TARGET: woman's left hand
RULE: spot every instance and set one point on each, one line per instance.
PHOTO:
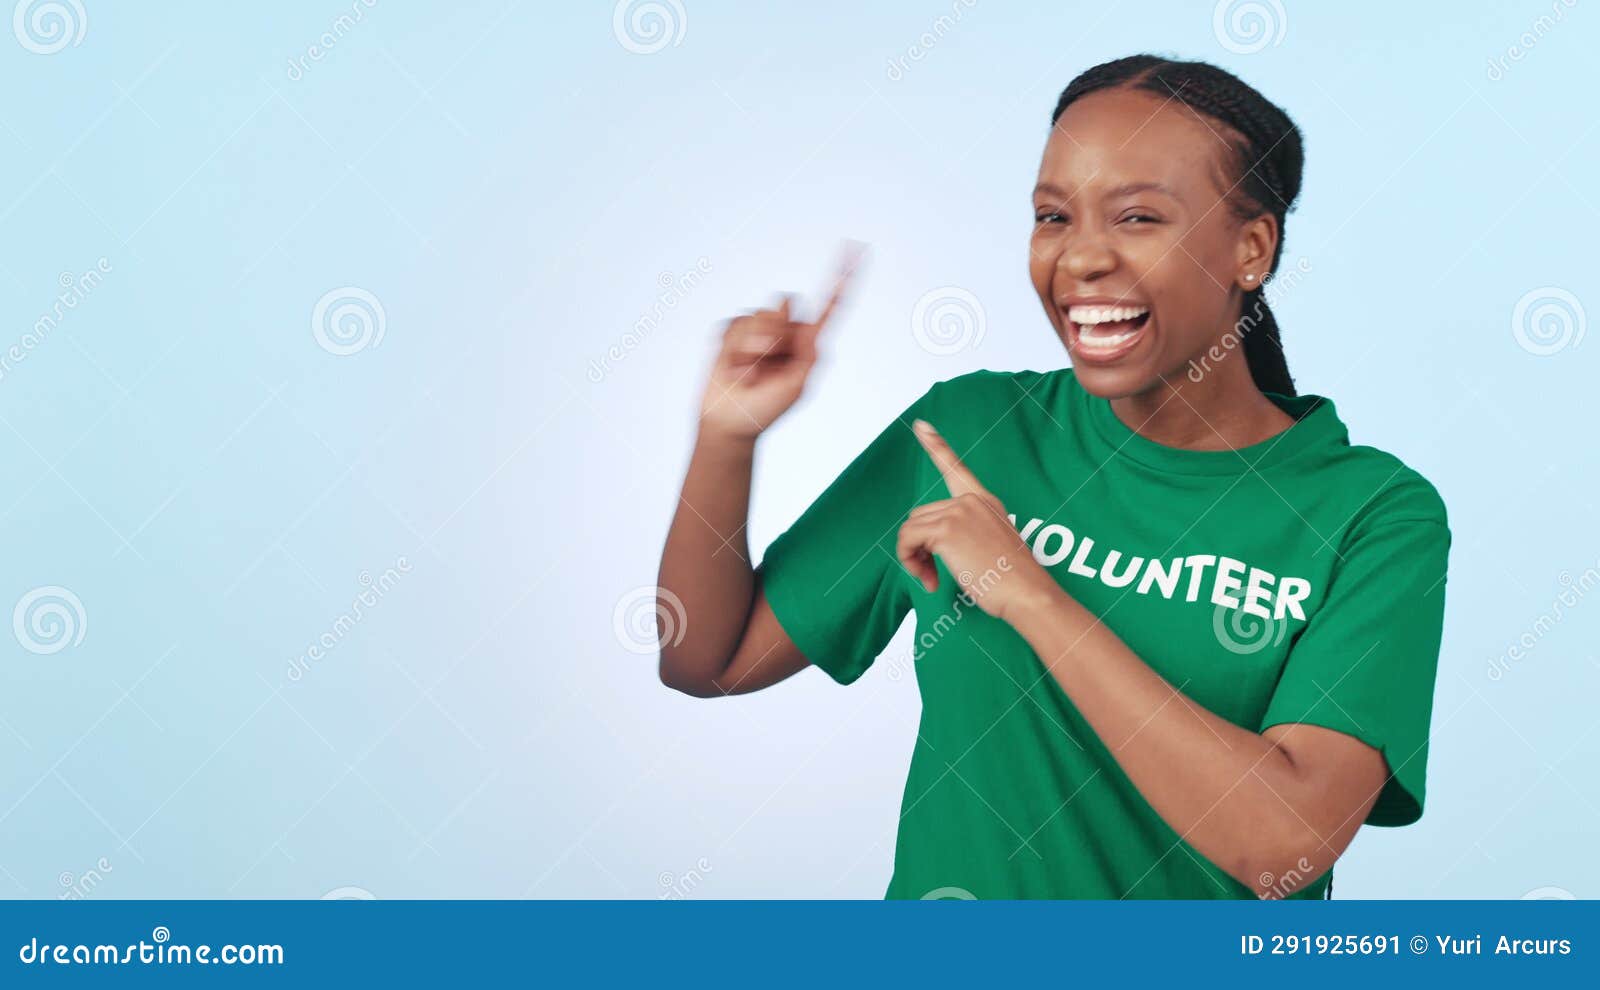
(972, 535)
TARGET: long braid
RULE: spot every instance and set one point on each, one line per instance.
(1268, 159)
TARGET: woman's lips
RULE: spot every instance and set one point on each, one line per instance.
(1103, 346)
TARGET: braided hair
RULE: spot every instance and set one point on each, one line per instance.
(1267, 158)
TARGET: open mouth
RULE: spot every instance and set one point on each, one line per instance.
(1105, 333)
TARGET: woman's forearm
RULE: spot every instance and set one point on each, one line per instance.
(1228, 791)
(762, 365)
(705, 565)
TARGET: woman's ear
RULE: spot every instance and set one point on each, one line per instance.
(1258, 239)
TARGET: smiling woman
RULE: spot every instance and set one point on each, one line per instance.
(1098, 710)
(1179, 177)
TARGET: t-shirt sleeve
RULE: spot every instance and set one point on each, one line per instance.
(1366, 662)
(832, 578)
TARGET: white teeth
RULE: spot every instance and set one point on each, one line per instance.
(1090, 315)
(1092, 339)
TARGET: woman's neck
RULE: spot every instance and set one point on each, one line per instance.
(1223, 411)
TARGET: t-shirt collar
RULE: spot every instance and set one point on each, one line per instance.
(1317, 424)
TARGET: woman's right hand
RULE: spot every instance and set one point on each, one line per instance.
(762, 366)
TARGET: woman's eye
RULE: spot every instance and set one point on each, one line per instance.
(1049, 218)
(1141, 216)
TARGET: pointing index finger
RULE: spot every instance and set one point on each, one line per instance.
(957, 476)
(847, 268)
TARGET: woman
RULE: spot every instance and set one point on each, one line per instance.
(1197, 630)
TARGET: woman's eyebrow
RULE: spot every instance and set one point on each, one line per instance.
(1125, 189)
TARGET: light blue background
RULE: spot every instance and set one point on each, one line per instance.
(512, 183)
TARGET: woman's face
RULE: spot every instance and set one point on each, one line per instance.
(1130, 221)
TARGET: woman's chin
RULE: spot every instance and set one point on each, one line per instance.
(1130, 374)
(1114, 382)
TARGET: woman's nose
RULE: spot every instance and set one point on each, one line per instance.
(1087, 256)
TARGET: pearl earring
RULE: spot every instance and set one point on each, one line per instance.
(1249, 278)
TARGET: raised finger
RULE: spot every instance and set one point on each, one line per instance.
(957, 477)
(851, 260)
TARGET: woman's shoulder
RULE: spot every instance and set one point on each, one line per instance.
(1387, 489)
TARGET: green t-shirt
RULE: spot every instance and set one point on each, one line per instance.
(1301, 579)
